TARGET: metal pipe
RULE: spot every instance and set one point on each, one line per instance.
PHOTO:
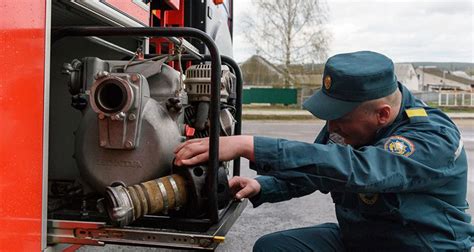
(186, 45)
(109, 45)
(238, 103)
(211, 179)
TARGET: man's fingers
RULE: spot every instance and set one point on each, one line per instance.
(181, 146)
(188, 151)
(234, 181)
(234, 185)
(196, 159)
(188, 142)
(246, 192)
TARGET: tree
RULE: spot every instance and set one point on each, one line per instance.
(288, 31)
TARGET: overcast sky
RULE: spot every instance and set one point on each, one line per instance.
(404, 30)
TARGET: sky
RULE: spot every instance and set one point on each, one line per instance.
(404, 30)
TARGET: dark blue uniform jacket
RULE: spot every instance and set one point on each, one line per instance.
(406, 191)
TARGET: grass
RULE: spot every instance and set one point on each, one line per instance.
(291, 116)
(446, 109)
(270, 107)
(278, 117)
(452, 109)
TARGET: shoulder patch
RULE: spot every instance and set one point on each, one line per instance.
(417, 115)
(399, 145)
(414, 112)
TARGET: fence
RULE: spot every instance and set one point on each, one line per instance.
(427, 96)
(285, 96)
(463, 99)
(290, 96)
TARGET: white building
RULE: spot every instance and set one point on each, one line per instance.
(406, 74)
(462, 74)
(432, 78)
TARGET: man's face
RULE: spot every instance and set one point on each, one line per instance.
(358, 128)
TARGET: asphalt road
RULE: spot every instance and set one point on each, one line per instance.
(309, 210)
(299, 212)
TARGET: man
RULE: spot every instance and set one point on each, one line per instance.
(396, 169)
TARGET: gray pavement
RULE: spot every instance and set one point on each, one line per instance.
(299, 212)
(312, 209)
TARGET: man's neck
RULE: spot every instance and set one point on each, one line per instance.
(396, 109)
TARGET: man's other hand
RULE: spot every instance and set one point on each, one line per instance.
(243, 187)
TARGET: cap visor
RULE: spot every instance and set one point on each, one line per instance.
(327, 108)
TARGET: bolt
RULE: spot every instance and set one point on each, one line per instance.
(101, 74)
(103, 143)
(132, 117)
(118, 116)
(129, 144)
(135, 77)
(101, 116)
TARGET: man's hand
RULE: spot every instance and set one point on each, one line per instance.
(243, 187)
(196, 151)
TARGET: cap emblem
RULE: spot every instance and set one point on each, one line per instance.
(327, 82)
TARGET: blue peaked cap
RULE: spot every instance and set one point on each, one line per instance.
(350, 79)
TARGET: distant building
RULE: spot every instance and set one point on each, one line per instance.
(462, 74)
(308, 75)
(435, 79)
(258, 71)
(406, 74)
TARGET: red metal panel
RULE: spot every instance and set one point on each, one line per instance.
(22, 55)
(174, 4)
(168, 18)
(132, 9)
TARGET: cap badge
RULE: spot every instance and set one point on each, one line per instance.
(327, 82)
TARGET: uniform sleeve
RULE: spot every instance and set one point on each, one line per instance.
(378, 168)
(276, 190)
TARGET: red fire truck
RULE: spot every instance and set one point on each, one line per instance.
(96, 95)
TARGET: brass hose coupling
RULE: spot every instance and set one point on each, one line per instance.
(125, 204)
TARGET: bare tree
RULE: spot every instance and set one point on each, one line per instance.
(288, 31)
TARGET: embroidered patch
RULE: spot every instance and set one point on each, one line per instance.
(327, 82)
(400, 145)
(369, 198)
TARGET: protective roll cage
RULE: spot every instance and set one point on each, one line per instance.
(213, 215)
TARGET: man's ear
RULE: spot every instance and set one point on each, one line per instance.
(384, 113)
